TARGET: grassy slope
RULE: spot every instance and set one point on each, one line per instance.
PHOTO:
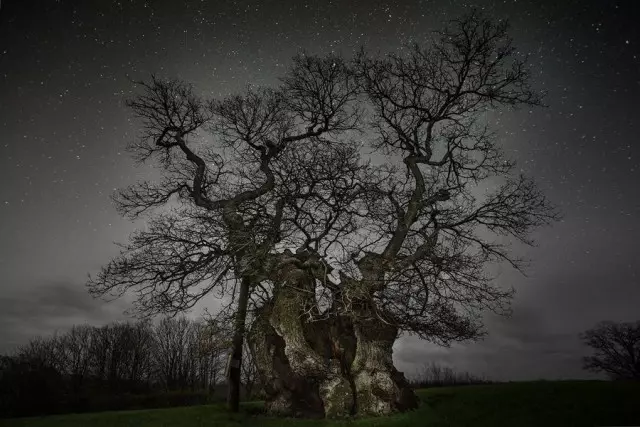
(566, 403)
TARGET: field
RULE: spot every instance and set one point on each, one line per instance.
(543, 403)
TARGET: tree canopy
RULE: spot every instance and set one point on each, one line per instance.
(353, 188)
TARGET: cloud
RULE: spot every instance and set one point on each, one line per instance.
(47, 307)
(531, 344)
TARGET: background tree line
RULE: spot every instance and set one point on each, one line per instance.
(179, 361)
(120, 365)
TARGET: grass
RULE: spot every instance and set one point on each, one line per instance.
(542, 403)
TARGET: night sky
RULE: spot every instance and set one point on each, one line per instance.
(65, 70)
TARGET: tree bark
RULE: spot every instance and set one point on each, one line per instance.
(288, 393)
(340, 367)
(380, 388)
(335, 365)
(235, 365)
(238, 234)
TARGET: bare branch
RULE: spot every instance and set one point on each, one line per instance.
(617, 349)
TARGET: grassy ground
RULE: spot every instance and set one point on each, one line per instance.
(552, 403)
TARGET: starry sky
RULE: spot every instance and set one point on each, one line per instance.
(65, 70)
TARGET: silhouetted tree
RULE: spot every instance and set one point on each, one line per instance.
(334, 256)
(88, 366)
(170, 352)
(435, 375)
(617, 349)
(211, 345)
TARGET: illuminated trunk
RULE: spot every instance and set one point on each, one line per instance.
(380, 388)
(287, 392)
(331, 368)
(318, 383)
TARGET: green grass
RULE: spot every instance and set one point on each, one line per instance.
(543, 403)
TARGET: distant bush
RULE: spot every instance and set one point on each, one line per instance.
(435, 375)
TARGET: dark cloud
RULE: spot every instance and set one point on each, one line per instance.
(49, 307)
(517, 348)
(551, 308)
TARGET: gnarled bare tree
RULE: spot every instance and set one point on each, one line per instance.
(616, 349)
(230, 219)
(336, 252)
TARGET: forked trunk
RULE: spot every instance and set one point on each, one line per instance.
(325, 368)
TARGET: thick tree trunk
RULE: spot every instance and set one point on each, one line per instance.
(288, 393)
(380, 388)
(324, 390)
(334, 367)
(335, 339)
(358, 376)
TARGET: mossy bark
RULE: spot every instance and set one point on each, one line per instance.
(358, 376)
(288, 393)
(380, 388)
(333, 367)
